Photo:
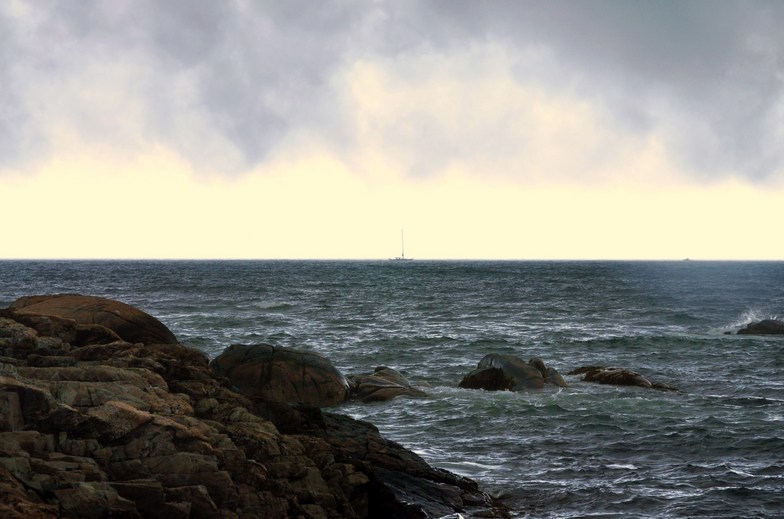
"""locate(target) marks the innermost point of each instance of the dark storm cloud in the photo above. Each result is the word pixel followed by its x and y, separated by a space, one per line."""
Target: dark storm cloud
pixel 236 78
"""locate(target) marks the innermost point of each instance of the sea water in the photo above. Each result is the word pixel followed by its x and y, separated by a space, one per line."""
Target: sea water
pixel 714 448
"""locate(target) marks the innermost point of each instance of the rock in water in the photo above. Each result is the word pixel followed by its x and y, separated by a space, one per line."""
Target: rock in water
pixel 129 323
pixel 617 377
pixel 496 372
pixel 384 384
pixel 402 484
pixel 764 327
pixel 612 376
pixel 279 374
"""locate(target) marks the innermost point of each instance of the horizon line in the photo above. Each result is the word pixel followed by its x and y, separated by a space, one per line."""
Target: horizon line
pixel 376 259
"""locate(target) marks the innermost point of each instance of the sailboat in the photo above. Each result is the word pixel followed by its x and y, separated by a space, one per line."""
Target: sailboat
pixel 402 256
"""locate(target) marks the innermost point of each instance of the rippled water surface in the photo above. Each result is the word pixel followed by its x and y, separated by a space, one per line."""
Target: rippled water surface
pixel 715 448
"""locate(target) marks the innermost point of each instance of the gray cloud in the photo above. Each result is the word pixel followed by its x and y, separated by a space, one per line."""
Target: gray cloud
pixel 211 78
pixel 224 83
pixel 709 75
pixel 18 135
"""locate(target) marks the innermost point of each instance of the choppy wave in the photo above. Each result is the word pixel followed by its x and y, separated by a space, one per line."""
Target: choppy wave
pixel 272 306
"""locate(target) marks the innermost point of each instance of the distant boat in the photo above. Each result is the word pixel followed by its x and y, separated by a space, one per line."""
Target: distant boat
pixel 402 256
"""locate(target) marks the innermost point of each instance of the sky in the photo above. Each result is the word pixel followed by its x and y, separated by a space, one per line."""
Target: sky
pixel 485 130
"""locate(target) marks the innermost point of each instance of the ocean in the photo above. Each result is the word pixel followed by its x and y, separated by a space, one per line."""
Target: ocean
pixel 714 448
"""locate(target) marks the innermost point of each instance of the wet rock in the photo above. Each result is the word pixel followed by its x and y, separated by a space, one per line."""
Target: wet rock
pixel 764 327
pixel 282 374
pixel 127 322
pixel 384 384
pixel 399 482
pixel 617 377
pixel 496 372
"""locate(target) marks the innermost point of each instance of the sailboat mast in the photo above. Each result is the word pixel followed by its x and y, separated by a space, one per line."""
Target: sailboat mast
pixel 402 245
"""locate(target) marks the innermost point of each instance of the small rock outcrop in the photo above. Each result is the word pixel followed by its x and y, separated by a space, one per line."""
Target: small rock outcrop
pixel 127 322
pixel 138 430
pixel 764 327
pixel 281 374
pixel 617 377
pixel 496 372
pixel 384 384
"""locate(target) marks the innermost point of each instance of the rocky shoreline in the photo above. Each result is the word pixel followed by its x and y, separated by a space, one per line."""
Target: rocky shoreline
pixel 95 424
pixel 104 414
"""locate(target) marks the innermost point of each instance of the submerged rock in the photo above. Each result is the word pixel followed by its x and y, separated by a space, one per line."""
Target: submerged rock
pixel 617 377
pixel 384 384
pixel 496 372
pixel 127 322
pixel 282 374
pixel 764 327
pixel 148 430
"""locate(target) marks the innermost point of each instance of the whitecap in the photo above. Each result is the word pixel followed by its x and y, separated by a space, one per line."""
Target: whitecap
pixel 741 473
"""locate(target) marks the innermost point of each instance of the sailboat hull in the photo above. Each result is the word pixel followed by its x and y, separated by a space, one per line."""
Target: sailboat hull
pixel 402 256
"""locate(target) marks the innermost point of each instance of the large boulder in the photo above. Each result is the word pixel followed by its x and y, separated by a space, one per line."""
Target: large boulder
pixel 617 377
pixel 764 327
pixel 127 322
pixel 281 374
pixel 383 384
pixel 496 372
